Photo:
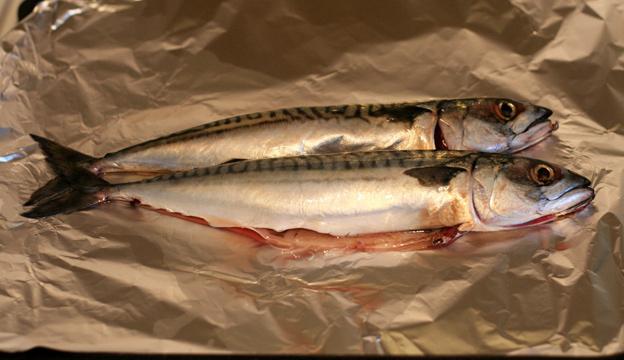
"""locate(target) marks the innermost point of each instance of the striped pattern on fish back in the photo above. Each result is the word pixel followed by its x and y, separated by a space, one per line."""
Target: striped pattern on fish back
pixel 340 161
pixel 393 112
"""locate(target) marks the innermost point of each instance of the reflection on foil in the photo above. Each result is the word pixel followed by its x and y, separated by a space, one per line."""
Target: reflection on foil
pixel 19 154
pixel 82 7
pixel 139 282
pixel 66 16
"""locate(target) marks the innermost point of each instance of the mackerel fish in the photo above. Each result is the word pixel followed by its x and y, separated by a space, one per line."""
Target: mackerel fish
pixel 368 200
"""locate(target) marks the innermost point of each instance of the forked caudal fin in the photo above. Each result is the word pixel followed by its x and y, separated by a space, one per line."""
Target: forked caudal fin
pixel 48 190
pixel 74 189
pixel 61 159
pixel 70 199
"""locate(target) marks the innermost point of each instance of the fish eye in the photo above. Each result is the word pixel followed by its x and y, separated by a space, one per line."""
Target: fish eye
pixel 543 174
pixel 505 110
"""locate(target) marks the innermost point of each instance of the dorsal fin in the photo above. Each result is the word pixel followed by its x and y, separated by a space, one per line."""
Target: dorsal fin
pixel 232 161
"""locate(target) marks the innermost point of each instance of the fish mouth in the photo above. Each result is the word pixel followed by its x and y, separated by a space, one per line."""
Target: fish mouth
pixel 539 130
pixel 544 118
pixel 583 196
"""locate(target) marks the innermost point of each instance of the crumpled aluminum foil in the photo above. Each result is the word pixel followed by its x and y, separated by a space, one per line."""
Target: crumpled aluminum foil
pixel 101 75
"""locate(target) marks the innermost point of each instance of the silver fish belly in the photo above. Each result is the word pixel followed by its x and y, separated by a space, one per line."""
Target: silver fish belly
pixel 285 132
pixel 337 194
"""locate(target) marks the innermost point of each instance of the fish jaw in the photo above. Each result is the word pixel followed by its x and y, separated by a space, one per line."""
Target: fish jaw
pixel 570 202
pixel 534 134
pixel 531 126
pixel 573 202
pixel 531 115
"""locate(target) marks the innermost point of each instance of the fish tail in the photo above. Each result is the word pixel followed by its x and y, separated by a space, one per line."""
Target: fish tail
pixel 74 189
pixel 60 159
pixel 80 190
pixel 46 191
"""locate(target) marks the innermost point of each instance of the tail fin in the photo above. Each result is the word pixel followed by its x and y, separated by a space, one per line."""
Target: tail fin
pixel 79 191
pixel 61 158
pixel 49 189
pixel 75 189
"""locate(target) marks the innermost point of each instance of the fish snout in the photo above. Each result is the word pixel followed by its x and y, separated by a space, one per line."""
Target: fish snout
pixel 531 127
pixel 571 201
pixel 571 193
pixel 542 113
pixel 532 116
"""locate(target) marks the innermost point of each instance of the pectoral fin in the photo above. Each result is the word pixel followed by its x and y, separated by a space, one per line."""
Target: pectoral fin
pixel 434 176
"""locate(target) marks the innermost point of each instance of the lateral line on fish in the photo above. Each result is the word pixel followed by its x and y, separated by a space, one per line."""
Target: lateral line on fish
pixel 347 161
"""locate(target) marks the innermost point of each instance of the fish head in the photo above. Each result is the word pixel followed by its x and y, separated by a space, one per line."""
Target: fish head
pixel 491 125
pixel 511 192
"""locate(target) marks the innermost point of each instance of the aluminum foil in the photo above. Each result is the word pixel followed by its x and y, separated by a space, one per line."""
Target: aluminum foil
pixel 102 75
